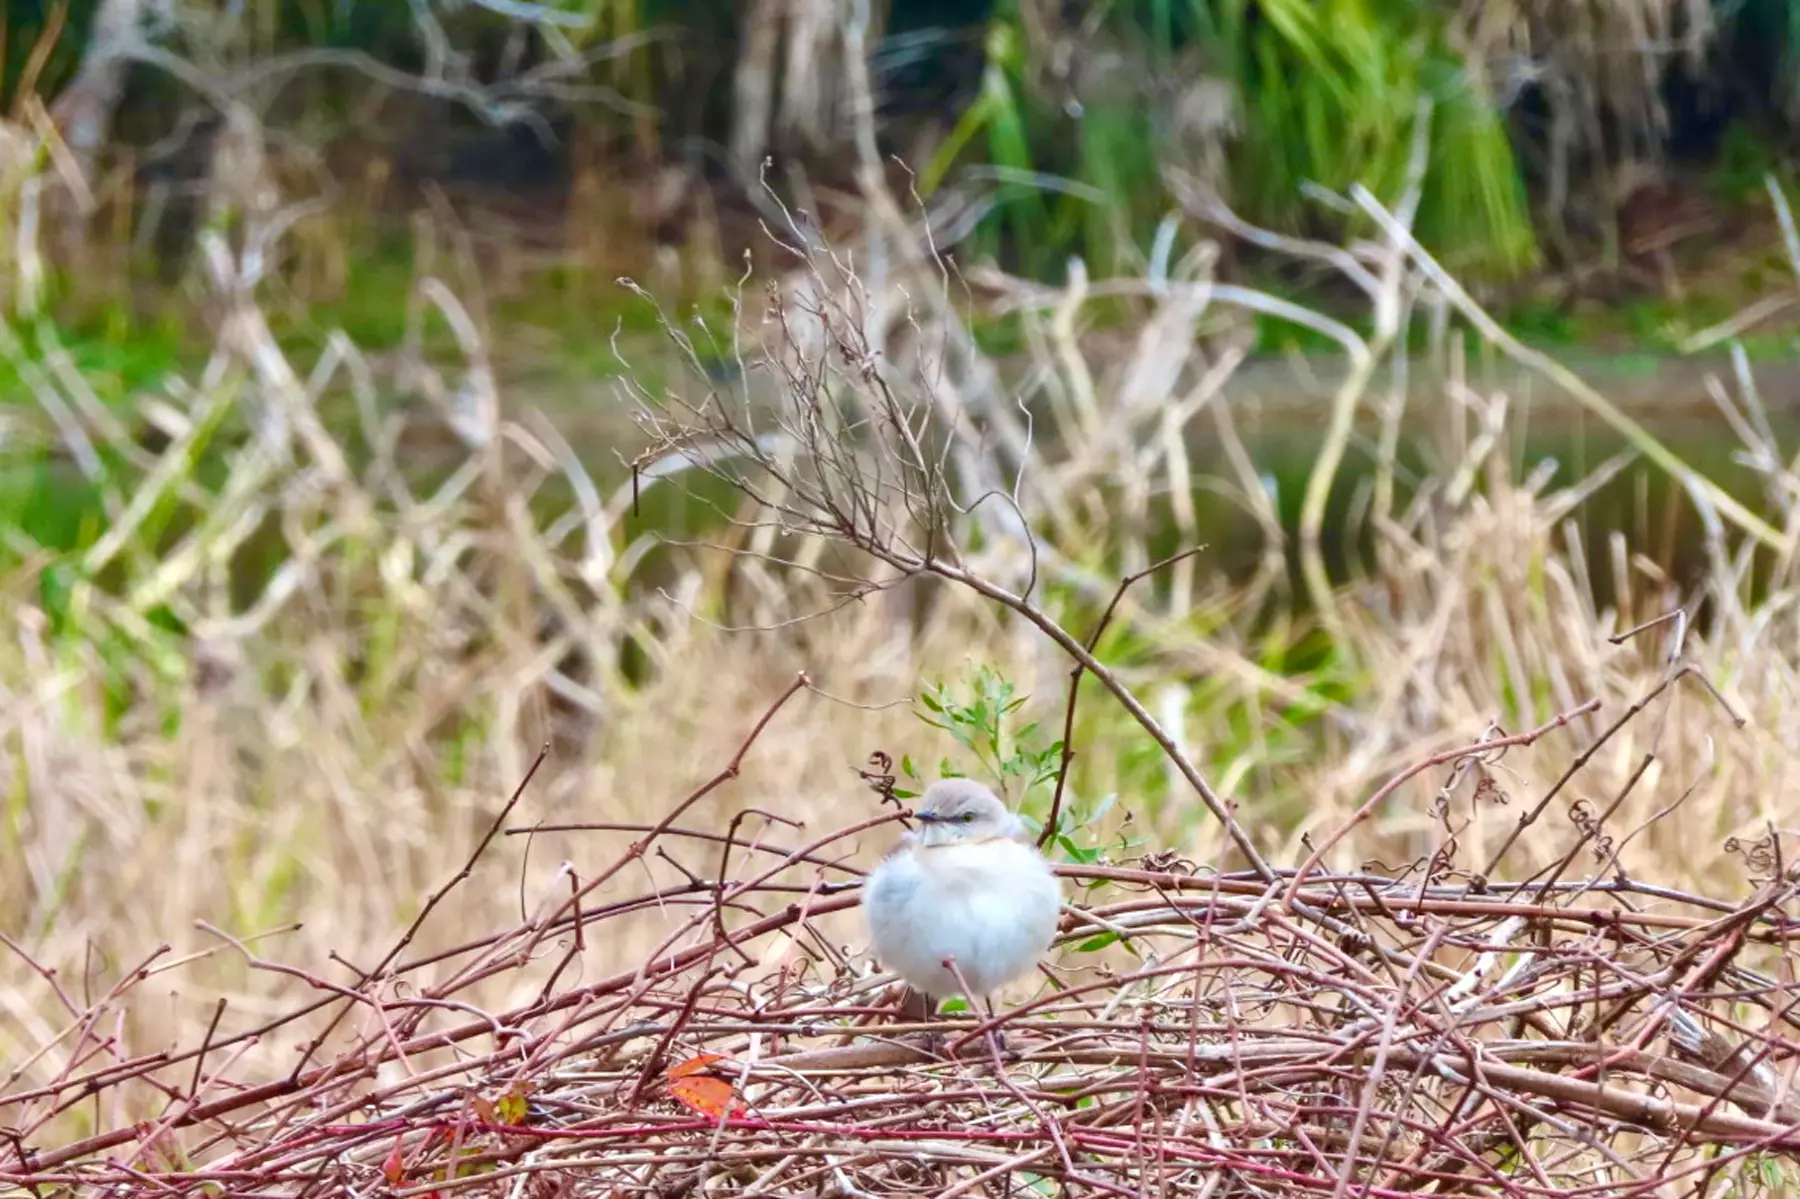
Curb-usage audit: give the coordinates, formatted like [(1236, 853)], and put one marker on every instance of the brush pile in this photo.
[(1196, 1031)]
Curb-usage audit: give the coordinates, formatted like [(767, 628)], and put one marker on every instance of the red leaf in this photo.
[(394, 1168)]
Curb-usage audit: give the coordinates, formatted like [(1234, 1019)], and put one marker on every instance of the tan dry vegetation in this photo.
[(330, 747)]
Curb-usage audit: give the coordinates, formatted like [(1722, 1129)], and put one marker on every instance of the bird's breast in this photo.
[(992, 905), (997, 866)]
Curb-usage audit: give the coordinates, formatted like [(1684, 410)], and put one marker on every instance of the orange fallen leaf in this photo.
[(706, 1094), (693, 1065), (709, 1096)]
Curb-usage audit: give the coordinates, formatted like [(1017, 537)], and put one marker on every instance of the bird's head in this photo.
[(960, 811)]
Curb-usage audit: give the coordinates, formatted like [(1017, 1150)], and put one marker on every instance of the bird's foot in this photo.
[(976, 1046), (916, 1007), (930, 1044), (996, 1040)]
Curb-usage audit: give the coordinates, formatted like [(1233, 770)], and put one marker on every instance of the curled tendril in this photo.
[(1438, 867), (1398, 873), (1167, 861), (1487, 791), (1761, 857), (1582, 815), (880, 777)]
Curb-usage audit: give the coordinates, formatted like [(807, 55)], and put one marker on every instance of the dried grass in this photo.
[(1599, 1003), (1306, 1032)]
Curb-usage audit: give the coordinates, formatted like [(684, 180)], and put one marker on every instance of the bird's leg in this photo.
[(997, 1036), (996, 1039), (916, 1007)]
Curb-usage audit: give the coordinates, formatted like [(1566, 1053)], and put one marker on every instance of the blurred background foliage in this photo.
[(1053, 123)]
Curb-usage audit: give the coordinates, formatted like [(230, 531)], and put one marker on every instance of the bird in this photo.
[(967, 886)]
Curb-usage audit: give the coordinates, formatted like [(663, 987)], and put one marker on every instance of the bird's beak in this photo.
[(925, 817)]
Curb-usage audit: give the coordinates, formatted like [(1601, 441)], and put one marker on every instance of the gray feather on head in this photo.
[(960, 809)]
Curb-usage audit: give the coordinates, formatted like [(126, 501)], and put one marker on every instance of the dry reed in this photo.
[(1557, 994)]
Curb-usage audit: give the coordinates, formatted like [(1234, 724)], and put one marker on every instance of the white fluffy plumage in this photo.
[(965, 885)]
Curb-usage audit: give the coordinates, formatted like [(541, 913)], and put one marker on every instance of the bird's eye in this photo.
[(966, 817)]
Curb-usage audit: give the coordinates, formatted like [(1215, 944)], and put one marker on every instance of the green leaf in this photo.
[(1085, 857), (972, 121), (1100, 942)]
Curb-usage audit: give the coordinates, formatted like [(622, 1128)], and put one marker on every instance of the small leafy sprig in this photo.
[(981, 724), (986, 720)]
